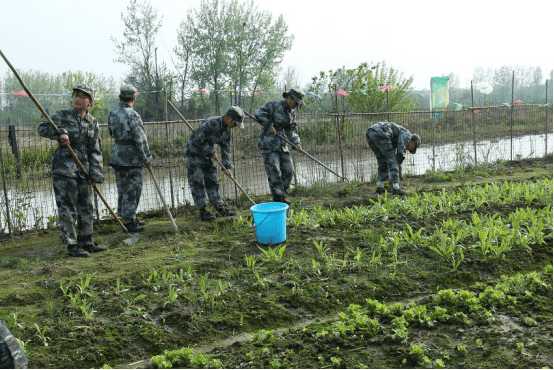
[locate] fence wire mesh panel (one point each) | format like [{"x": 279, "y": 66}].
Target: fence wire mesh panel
[{"x": 449, "y": 139}]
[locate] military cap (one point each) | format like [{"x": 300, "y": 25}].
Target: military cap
[
  {"x": 127, "y": 91},
  {"x": 236, "y": 113},
  {"x": 297, "y": 95},
  {"x": 84, "y": 88},
  {"x": 417, "y": 141}
]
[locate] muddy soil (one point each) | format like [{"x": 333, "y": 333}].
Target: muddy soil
[{"x": 336, "y": 294}]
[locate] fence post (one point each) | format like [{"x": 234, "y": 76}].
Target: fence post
[
  {"x": 546, "y": 120},
  {"x": 474, "y": 127},
  {"x": 169, "y": 154},
  {"x": 12, "y": 138},
  {"x": 338, "y": 119},
  {"x": 8, "y": 219},
  {"x": 512, "y": 121}
]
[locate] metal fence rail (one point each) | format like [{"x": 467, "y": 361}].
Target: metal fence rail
[{"x": 449, "y": 139}]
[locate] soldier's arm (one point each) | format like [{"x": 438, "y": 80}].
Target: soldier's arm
[
  {"x": 201, "y": 142},
  {"x": 46, "y": 130},
  {"x": 292, "y": 134},
  {"x": 141, "y": 141},
  {"x": 95, "y": 157},
  {"x": 264, "y": 115},
  {"x": 226, "y": 154}
]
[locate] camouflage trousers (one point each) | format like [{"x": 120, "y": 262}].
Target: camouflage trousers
[
  {"x": 74, "y": 201},
  {"x": 202, "y": 177},
  {"x": 129, "y": 190},
  {"x": 278, "y": 167},
  {"x": 387, "y": 165}
]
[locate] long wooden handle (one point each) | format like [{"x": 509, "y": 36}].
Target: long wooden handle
[
  {"x": 163, "y": 200},
  {"x": 58, "y": 132}
]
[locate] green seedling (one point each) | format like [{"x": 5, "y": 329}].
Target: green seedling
[
  {"x": 41, "y": 333},
  {"x": 462, "y": 348}
]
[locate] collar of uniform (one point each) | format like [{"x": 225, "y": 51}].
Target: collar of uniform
[
  {"x": 87, "y": 116},
  {"x": 125, "y": 105},
  {"x": 284, "y": 102}
]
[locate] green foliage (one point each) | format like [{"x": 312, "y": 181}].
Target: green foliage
[{"x": 362, "y": 84}]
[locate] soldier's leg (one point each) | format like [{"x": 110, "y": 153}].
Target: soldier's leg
[
  {"x": 119, "y": 173},
  {"x": 211, "y": 183},
  {"x": 195, "y": 176},
  {"x": 65, "y": 191},
  {"x": 131, "y": 191},
  {"x": 287, "y": 170},
  {"x": 85, "y": 212},
  {"x": 272, "y": 169},
  {"x": 374, "y": 140}
]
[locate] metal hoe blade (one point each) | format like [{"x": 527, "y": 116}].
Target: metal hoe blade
[{"x": 132, "y": 240}]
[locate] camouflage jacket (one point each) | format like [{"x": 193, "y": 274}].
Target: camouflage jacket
[
  {"x": 84, "y": 139},
  {"x": 277, "y": 114},
  {"x": 398, "y": 135},
  {"x": 211, "y": 131},
  {"x": 130, "y": 147}
]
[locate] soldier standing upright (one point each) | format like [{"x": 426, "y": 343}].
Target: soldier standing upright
[
  {"x": 277, "y": 118},
  {"x": 199, "y": 151},
  {"x": 389, "y": 142},
  {"x": 78, "y": 128},
  {"x": 129, "y": 153}
]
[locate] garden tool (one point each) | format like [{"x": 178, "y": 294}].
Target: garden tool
[
  {"x": 128, "y": 241},
  {"x": 301, "y": 151},
  {"x": 163, "y": 200},
  {"x": 217, "y": 160}
]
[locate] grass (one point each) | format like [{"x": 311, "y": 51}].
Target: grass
[{"x": 362, "y": 281}]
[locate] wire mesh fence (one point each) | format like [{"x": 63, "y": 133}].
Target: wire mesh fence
[{"x": 449, "y": 139}]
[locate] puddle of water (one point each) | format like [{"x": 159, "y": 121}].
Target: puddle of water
[{"x": 358, "y": 164}]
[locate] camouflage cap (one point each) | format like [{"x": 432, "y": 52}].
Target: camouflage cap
[
  {"x": 128, "y": 91},
  {"x": 417, "y": 141},
  {"x": 236, "y": 113},
  {"x": 84, "y": 88},
  {"x": 297, "y": 95}
]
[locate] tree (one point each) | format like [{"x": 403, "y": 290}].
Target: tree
[
  {"x": 362, "y": 85},
  {"x": 230, "y": 46},
  {"x": 138, "y": 50}
]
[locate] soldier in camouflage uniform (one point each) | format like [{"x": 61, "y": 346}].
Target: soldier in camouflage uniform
[
  {"x": 277, "y": 118},
  {"x": 199, "y": 151},
  {"x": 11, "y": 354},
  {"x": 129, "y": 153},
  {"x": 72, "y": 189},
  {"x": 390, "y": 142}
]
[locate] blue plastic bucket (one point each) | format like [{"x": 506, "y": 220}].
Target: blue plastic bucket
[{"x": 270, "y": 221}]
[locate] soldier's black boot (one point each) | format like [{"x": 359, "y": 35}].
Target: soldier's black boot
[
  {"x": 205, "y": 215},
  {"x": 223, "y": 212},
  {"x": 380, "y": 190},
  {"x": 281, "y": 199},
  {"x": 75, "y": 251},
  {"x": 398, "y": 192},
  {"x": 139, "y": 222},
  {"x": 95, "y": 248},
  {"x": 134, "y": 227}
]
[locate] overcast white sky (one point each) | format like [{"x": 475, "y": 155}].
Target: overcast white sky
[{"x": 419, "y": 38}]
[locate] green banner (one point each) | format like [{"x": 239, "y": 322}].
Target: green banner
[{"x": 439, "y": 93}]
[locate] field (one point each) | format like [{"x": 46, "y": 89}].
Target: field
[{"x": 458, "y": 274}]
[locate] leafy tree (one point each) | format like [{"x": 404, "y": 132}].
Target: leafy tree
[
  {"x": 138, "y": 50},
  {"x": 362, "y": 85},
  {"x": 230, "y": 46}
]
